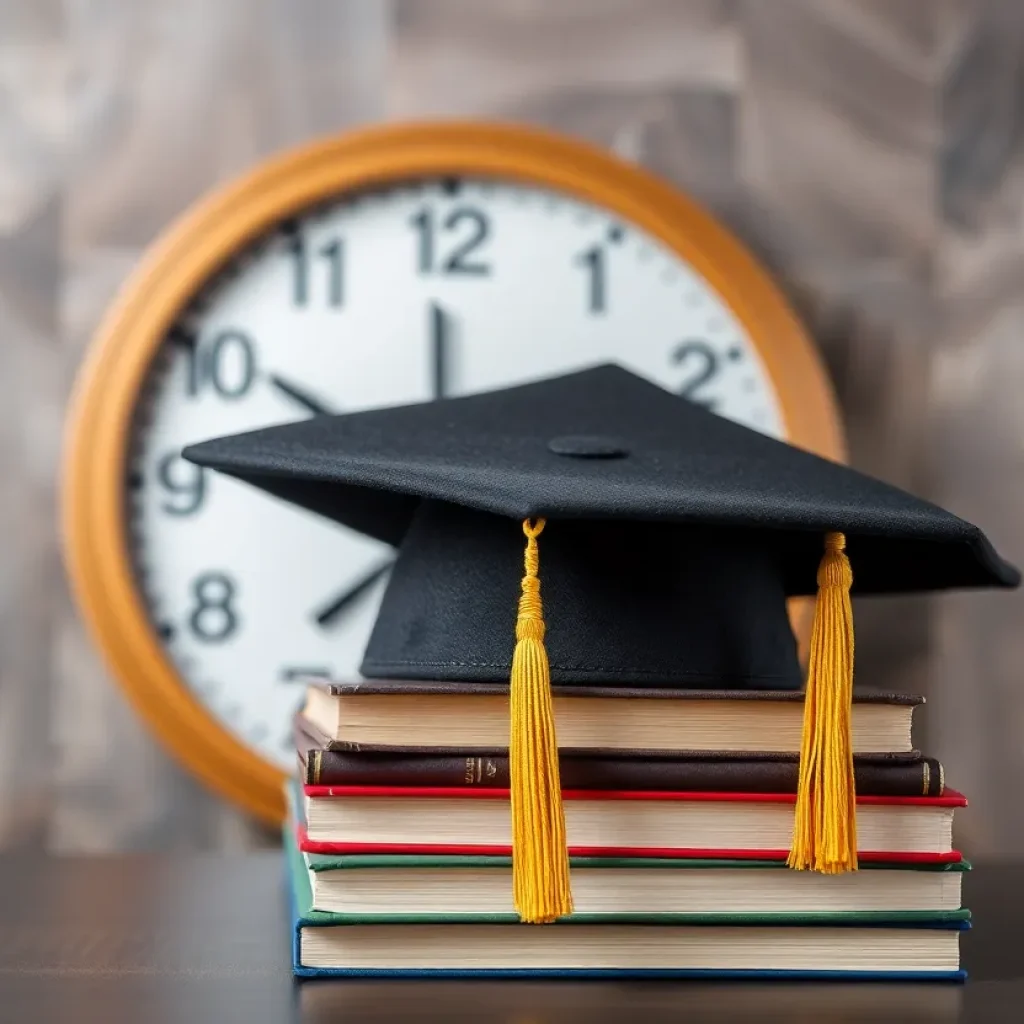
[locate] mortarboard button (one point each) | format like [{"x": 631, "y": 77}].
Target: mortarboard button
[{"x": 588, "y": 446}]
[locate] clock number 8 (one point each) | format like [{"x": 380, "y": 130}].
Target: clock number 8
[{"x": 213, "y": 619}]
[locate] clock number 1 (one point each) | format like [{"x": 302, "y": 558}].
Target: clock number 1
[
  {"x": 332, "y": 255},
  {"x": 595, "y": 262}
]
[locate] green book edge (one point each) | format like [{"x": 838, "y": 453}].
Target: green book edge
[
  {"x": 348, "y": 862},
  {"x": 321, "y": 918}
]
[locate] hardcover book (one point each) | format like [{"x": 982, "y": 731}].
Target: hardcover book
[
  {"x": 638, "y": 945},
  {"x": 746, "y": 825},
  {"x": 395, "y": 887},
  {"x": 322, "y": 763},
  {"x": 425, "y": 716}
]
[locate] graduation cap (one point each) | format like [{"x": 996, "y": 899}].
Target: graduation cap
[{"x": 673, "y": 539}]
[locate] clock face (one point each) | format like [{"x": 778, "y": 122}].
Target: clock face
[{"x": 383, "y": 298}]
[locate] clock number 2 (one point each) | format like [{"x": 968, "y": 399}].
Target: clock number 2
[
  {"x": 473, "y": 229},
  {"x": 703, "y": 364},
  {"x": 213, "y": 618}
]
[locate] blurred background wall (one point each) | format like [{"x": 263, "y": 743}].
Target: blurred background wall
[{"x": 868, "y": 150}]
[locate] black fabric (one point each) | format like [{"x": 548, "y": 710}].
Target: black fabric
[
  {"x": 627, "y": 605},
  {"x": 683, "y": 465}
]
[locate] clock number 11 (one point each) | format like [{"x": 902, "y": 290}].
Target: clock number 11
[{"x": 304, "y": 266}]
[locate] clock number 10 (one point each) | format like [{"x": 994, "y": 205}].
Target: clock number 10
[{"x": 226, "y": 365}]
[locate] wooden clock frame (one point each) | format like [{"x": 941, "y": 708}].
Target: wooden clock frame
[{"x": 212, "y": 232}]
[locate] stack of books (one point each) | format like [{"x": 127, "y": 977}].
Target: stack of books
[{"x": 679, "y": 811}]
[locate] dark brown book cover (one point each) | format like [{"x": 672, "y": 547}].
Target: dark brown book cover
[
  {"x": 323, "y": 763},
  {"x": 414, "y": 687}
]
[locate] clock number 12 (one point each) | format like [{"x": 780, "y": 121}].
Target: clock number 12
[{"x": 472, "y": 229}]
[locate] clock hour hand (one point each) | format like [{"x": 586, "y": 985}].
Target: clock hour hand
[
  {"x": 328, "y": 612},
  {"x": 439, "y": 325},
  {"x": 299, "y": 395}
]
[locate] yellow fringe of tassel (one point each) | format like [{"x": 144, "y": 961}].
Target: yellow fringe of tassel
[
  {"x": 825, "y": 824},
  {"x": 540, "y": 860}
]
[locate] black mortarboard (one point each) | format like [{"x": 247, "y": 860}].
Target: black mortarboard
[{"x": 675, "y": 538}]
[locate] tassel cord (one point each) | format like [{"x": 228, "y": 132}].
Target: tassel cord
[
  {"x": 540, "y": 862},
  {"x": 824, "y": 827}
]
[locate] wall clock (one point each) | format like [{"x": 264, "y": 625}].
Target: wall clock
[{"x": 391, "y": 265}]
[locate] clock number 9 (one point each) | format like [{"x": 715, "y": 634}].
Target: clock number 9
[
  {"x": 213, "y": 618},
  {"x": 227, "y": 364},
  {"x": 475, "y": 229},
  {"x": 184, "y": 482}
]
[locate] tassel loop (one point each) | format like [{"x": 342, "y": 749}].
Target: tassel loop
[
  {"x": 834, "y": 569},
  {"x": 825, "y": 822},
  {"x": 540, "y": 859},
  {"x": 530, "y": 621}
]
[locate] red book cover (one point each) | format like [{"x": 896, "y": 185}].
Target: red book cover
[
  {"x": 308, "y": 845},
  {"x": 951, "y": 798}
]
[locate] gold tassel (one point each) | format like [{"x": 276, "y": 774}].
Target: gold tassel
[
  {"x": 825, "y": 824},
  {"x": 540, "y": 860}
]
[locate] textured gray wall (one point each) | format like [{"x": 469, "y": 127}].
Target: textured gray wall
[{"x": 868, "y": 150}]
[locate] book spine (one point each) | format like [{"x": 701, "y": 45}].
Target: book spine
[{"x": 923, "y": 777}]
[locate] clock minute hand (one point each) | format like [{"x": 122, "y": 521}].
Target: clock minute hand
[
  {"x": 330, "y": 610},
  {"x": 300, "y": 396}
]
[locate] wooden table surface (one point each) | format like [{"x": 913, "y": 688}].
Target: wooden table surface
[{"x": 193, "y": 939}]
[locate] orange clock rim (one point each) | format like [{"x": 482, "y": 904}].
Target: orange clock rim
[{"x": 181, "y": 262}]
